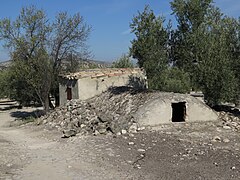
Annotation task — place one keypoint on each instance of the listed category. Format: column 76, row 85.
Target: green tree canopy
column 202, row 52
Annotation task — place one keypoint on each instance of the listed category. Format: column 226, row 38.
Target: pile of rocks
column 230, row 121
column 111, row 112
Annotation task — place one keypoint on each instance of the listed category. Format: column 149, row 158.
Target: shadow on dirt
column 228, row 109
column 25, row 114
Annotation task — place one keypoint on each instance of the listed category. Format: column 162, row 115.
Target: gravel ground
column 176, row 151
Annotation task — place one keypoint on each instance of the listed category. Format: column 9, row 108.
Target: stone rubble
column 109, row 113
column 230, row 121
column 112, row 112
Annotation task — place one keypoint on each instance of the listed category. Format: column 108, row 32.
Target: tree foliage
column 203, row 49
column 202, row 53
column 3, row 84
column 38, row 48
column 176, row 81
column 190, row 15
column 150, row 45
column 123, row 62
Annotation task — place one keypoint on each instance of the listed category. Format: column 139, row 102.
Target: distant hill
column 86, row 64
column 92, row 63
column 76, row 65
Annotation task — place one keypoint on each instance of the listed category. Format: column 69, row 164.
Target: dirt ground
column 176, row 151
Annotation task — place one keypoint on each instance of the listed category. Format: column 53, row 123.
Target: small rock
column 227, row 127
column 118, row 133
column 226, row 140
column 130, row 162
column 131, row 135
column 141, row 128
column 142, row 155
column 233, row 168
column 141, row 150
column 9, row 165
column 96, row 133
column 138, row 166
column 131, row 143
column 45, row 121
column 69, row 133
column 133, row 128
column 102, row 131
column 216, row 164
column 82, row 125
column 109, row 133
column 124, row 131
column 216, row 138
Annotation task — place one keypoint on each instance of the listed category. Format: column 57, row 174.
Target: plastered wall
column 89, row 87
column 64, row 83
column 159, row 110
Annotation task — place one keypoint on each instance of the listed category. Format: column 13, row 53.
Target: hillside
column 85, row 64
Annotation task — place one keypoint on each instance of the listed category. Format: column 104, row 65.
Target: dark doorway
column 69, row 93
column 178, row 112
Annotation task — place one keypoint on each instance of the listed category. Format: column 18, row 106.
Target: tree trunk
column 57, row 98
column 46, row 105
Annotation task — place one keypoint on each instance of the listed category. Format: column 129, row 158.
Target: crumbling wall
column 93, row 82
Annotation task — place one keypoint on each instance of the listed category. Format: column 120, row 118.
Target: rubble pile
column 112, row 112
column 109, row 113
column 230, row 121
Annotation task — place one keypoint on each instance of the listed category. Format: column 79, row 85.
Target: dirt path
column 29, row 158
column 41, row 154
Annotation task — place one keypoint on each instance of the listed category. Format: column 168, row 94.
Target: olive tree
column 38, row 47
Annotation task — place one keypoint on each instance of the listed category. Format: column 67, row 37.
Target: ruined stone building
column 146, row 108
column 86, row 84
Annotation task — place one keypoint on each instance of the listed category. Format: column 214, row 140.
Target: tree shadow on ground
column 228, row 109
column 25, row 114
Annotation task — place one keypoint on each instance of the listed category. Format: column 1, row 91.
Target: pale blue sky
column 109, row 19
